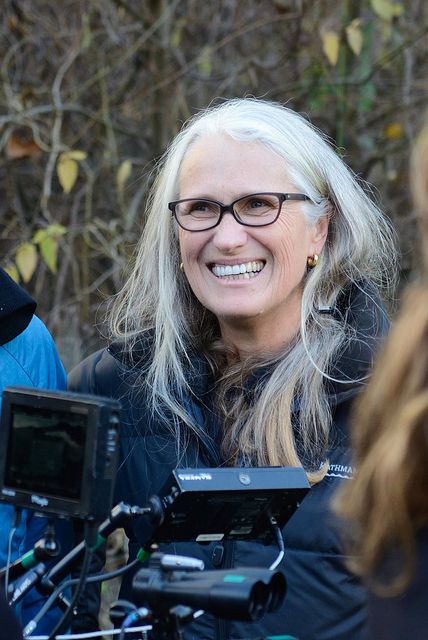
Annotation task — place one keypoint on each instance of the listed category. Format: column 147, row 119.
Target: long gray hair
column 360, row 248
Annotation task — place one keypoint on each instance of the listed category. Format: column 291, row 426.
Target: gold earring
column 312, row 261
column 181, row 267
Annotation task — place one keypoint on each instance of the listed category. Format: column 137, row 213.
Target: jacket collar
column 360, row 309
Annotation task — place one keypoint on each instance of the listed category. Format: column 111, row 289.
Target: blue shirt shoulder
column 31, row 359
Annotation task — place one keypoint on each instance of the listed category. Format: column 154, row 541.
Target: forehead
column 219, row 162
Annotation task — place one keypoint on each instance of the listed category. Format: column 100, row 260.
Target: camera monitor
column 58, row 452
column 235, row 503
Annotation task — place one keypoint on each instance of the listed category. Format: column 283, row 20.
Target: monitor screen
column 45, row 453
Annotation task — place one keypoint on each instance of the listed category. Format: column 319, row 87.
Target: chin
column 240, row 315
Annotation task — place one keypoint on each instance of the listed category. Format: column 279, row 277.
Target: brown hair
column 387, row 502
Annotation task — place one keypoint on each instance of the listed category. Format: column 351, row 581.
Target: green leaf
column 177, row 32
column 49, row 251
column 204, row 62
column 366, row 96
column 86, row 33
column 366, row 92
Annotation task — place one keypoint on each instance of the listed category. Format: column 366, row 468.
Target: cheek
column 191, row 245
column 290, row 248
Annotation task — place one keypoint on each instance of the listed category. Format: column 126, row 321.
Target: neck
column 250, row 337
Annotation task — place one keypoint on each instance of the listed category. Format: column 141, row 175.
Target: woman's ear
column 319, row 235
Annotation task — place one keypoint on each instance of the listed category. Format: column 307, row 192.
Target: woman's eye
column 199, row 206
column 257, row 203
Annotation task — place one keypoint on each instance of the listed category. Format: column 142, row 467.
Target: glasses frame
column 229, row 208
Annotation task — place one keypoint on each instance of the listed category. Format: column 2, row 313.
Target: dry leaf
column 387, row 9
column 12, row 271
column 67, row 170
column 123, row 174
column 77, row 155
column 393, row 131
column 26, row 260
column 331, row 42
column 18, row 147
column 354, row 36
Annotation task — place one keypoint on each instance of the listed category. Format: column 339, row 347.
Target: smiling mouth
column 242, row 271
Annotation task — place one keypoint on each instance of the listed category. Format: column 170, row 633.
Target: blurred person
column 28, row 357
column 244, row 332
column 387, row 503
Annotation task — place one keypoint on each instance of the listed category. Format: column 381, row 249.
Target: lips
column 244, row 269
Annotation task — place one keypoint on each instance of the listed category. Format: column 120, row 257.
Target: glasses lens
column 257, row 208
column 195, row 215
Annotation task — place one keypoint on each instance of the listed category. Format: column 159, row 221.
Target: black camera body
column 58, row 452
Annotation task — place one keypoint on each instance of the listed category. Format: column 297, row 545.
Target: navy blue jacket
column 324, row 601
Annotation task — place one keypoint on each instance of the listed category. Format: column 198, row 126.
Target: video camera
column 58, row 456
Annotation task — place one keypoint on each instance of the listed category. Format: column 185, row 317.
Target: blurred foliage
column 91, row 93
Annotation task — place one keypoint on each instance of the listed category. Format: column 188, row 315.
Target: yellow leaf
column 67, row 170
column 77, row 155
column 331, row 41
column 354, row 36
column 39, row 236
column 26, row 260
column 387, row 9
column 123, row 174
column 55, row 230
column 49, row 251
column 12, row 271
column 393, row 131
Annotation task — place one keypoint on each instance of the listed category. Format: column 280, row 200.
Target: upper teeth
column 230, row 270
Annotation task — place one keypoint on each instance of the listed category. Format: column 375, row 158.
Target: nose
column 229, row 234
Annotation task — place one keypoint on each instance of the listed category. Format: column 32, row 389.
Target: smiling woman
column 259, row 314
column 243, row 334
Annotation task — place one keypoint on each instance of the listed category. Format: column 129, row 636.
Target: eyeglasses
column 254, row 210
